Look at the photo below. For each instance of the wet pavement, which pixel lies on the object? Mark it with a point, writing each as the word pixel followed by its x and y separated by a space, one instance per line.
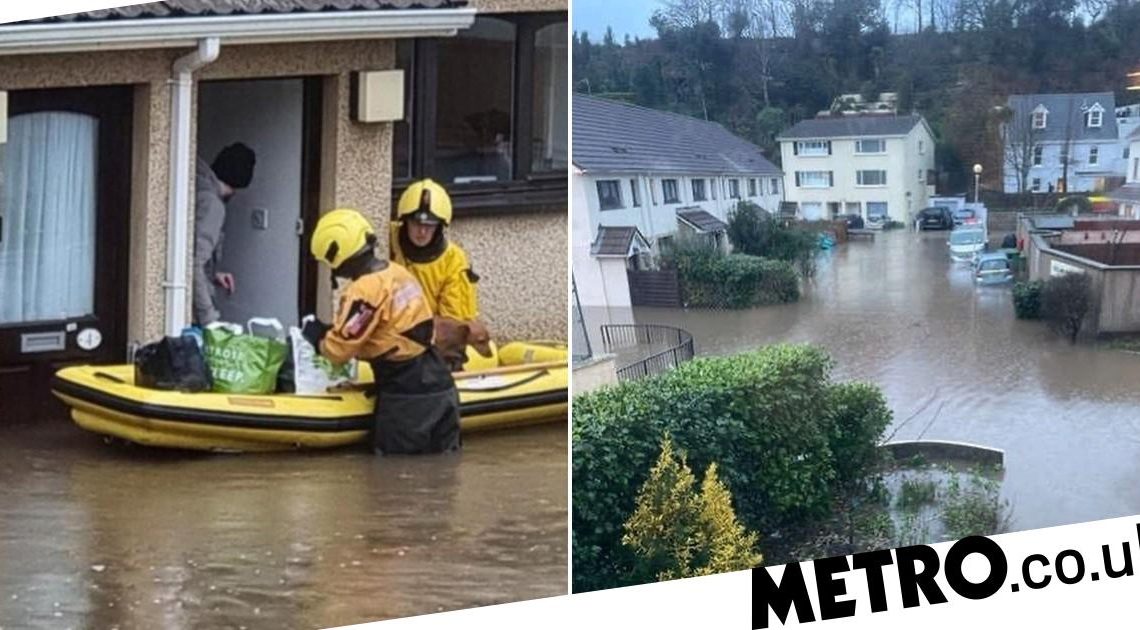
pixel 110 536
pixel 955 364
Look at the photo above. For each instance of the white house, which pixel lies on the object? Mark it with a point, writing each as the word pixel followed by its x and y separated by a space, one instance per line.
pixel 872 165
pixel 1048 132
pixel 661 173
pixel 1127 197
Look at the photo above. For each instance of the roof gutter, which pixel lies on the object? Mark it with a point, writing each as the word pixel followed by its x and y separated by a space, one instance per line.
pixel 135 33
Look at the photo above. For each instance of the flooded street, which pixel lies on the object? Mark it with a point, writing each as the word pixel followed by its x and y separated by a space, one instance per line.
pixel 101 536
pixel 955 364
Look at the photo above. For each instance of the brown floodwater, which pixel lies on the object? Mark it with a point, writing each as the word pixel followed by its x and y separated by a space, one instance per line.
pixel 107 536
pixel 955 364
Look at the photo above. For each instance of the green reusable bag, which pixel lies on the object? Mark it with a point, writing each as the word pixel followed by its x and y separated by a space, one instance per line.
pixel 240 363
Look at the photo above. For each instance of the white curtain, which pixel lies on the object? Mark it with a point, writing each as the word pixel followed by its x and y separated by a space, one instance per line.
pixel 47 249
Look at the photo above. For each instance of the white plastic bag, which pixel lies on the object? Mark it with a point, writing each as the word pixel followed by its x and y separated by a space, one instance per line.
pixel 312 373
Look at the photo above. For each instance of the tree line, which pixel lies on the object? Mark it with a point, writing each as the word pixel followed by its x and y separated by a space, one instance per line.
pixel 759 66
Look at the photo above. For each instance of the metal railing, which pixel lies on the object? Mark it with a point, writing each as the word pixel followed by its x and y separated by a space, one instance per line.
pixel 678 347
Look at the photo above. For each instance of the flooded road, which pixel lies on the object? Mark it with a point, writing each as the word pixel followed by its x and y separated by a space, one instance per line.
pixel 955 364
pixel 100 536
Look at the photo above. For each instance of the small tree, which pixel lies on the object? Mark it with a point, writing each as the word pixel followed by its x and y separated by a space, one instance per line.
pixel 1065 301
pixel 676 532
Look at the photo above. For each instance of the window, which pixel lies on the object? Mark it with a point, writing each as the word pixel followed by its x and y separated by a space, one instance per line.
pixel 752 187
pixel 699 190
pixel 871 178
pixel 652 193
pixel 774 185
pixel 812 147
pixel 1135 168
pixel 1094 155
pixel 877 145
pixel 712 185
pixel 813 179
pixel 486 112
pixel 1040 118
pixel 609 194
pixel 1095 117
pixel 669 191
pixel 634 194
pixel 734 188
pixel 1037 152
pixel 921 179
pixel 921 147
pixel 876 208
pixel 1036 187
pixel 1126 149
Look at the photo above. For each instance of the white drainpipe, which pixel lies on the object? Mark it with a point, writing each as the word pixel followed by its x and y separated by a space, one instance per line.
pixel 178 214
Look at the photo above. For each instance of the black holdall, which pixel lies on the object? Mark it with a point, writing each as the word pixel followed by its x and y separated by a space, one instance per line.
pixel 173 363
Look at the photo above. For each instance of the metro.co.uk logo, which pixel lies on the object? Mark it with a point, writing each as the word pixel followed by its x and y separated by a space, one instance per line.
pixel 916 569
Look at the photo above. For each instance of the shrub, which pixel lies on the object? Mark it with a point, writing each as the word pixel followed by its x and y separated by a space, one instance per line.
pixel 676 532
pixel 973 510
pixel 1027 299
pixel 736 281
pixel 769 419
pixel 753 231
pixel 1065 301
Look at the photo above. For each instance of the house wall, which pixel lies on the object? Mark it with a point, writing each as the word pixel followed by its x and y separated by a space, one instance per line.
pixel 1117 308
pixel 355 172
pixel 602 283
pixel 902 161
pixel 1110 159
pixel 658 219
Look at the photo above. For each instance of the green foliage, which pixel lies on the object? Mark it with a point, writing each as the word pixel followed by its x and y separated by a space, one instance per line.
pixel 756 232
pixel 712 279
pixel 1027 299
pixel 676 532
pixel 1066 205
pixel 771 419
pixel 973 509
pixel 1065 302
pixel 916 492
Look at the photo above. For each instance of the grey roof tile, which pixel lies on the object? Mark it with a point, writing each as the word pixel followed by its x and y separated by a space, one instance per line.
pixel 852 126
pixel 701 220
pixel 1069 107
pixel 614 240
pixel 610 137
pixel 202 8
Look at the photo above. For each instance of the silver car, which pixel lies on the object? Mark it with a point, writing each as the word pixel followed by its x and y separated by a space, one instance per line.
pixel 992 268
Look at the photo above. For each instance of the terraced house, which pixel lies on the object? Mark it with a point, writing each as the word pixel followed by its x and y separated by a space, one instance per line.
pixel 344 101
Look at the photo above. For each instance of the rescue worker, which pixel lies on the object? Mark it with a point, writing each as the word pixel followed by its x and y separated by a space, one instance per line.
pixel 214 185
pixel 384 318
pixel 418 243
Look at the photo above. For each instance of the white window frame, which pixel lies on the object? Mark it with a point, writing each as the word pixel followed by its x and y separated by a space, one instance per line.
pixel 1035 185
pixel 1040 118
pixel 616 187
pixel 676 190
pixel 882 143
pixel 1094 156
pixel 774 185
pixel 703 186
pixel 885 205
pixel 1038 155
pixel 860 177
pixel 812 148
pixel 1098 121
pixel 816 175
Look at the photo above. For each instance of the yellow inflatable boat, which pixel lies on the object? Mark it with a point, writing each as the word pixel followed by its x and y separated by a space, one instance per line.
pixel 105 400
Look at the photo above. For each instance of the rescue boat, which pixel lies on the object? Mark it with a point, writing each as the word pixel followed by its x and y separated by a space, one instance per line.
pixel 104 399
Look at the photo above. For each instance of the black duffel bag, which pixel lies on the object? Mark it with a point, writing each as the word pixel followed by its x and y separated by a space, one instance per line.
pixel 175 363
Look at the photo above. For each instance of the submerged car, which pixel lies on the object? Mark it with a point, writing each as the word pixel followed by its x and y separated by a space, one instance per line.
pixel 964 216
pixel 966 243
pixel 992 268
pixel 935 218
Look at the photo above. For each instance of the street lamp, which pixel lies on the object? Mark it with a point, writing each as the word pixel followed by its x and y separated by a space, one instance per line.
pixel 977 180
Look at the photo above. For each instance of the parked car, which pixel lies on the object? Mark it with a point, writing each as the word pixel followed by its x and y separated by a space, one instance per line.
pixel 966 243
pixel 965 215
pixel 854 221
pixel 935 219
pixel 992 268
pixel 877 222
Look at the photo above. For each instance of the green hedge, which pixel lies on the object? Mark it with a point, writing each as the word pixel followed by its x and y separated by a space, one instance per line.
pixel 785 438
pixel 713 280
pixel 1027 299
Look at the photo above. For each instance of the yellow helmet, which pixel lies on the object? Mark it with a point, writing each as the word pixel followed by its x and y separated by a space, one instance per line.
pixel 425 201
pixel 340 235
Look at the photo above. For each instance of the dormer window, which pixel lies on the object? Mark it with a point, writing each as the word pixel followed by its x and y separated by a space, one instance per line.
pixel 1040 117
pixel 1094 117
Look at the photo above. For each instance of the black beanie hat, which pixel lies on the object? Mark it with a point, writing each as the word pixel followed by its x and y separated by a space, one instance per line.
pixel 234 165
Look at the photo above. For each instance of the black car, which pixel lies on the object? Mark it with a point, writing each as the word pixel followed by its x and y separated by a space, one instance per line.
pixel 935 219
pixel 853 221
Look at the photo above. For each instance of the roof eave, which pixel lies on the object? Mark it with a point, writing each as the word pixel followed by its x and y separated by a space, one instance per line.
pixel 137 33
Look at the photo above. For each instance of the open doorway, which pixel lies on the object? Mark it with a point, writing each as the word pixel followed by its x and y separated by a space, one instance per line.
pixel 263 245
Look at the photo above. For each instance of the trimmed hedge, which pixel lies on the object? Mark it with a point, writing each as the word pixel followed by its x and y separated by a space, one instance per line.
pixel 786 441
pixel 710 279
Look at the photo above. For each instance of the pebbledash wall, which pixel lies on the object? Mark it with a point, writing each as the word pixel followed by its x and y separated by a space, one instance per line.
pixel 521 256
